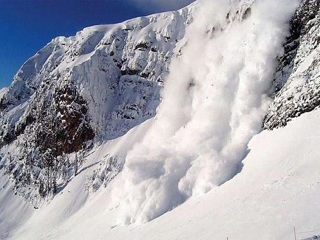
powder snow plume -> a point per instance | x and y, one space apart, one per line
214 101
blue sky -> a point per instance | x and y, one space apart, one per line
28 25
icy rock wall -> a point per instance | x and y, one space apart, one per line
297 80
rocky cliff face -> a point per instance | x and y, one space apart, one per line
296 86
116 70
81 90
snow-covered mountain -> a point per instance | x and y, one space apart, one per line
85 89
122 124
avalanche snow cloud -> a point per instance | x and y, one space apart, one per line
213 103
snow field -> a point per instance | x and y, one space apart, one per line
277 189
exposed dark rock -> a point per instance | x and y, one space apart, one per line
142 46
129 71
246 14
70 128
292 97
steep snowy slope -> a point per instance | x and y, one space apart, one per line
133 123
277 189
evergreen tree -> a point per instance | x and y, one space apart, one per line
76 162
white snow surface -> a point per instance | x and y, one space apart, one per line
277 189
3 91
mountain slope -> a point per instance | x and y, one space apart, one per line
88 139
276 190
82 90
104 63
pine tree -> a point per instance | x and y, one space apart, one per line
54 185
41 190
76 162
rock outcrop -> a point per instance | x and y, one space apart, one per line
297 81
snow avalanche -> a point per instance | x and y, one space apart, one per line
214 101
